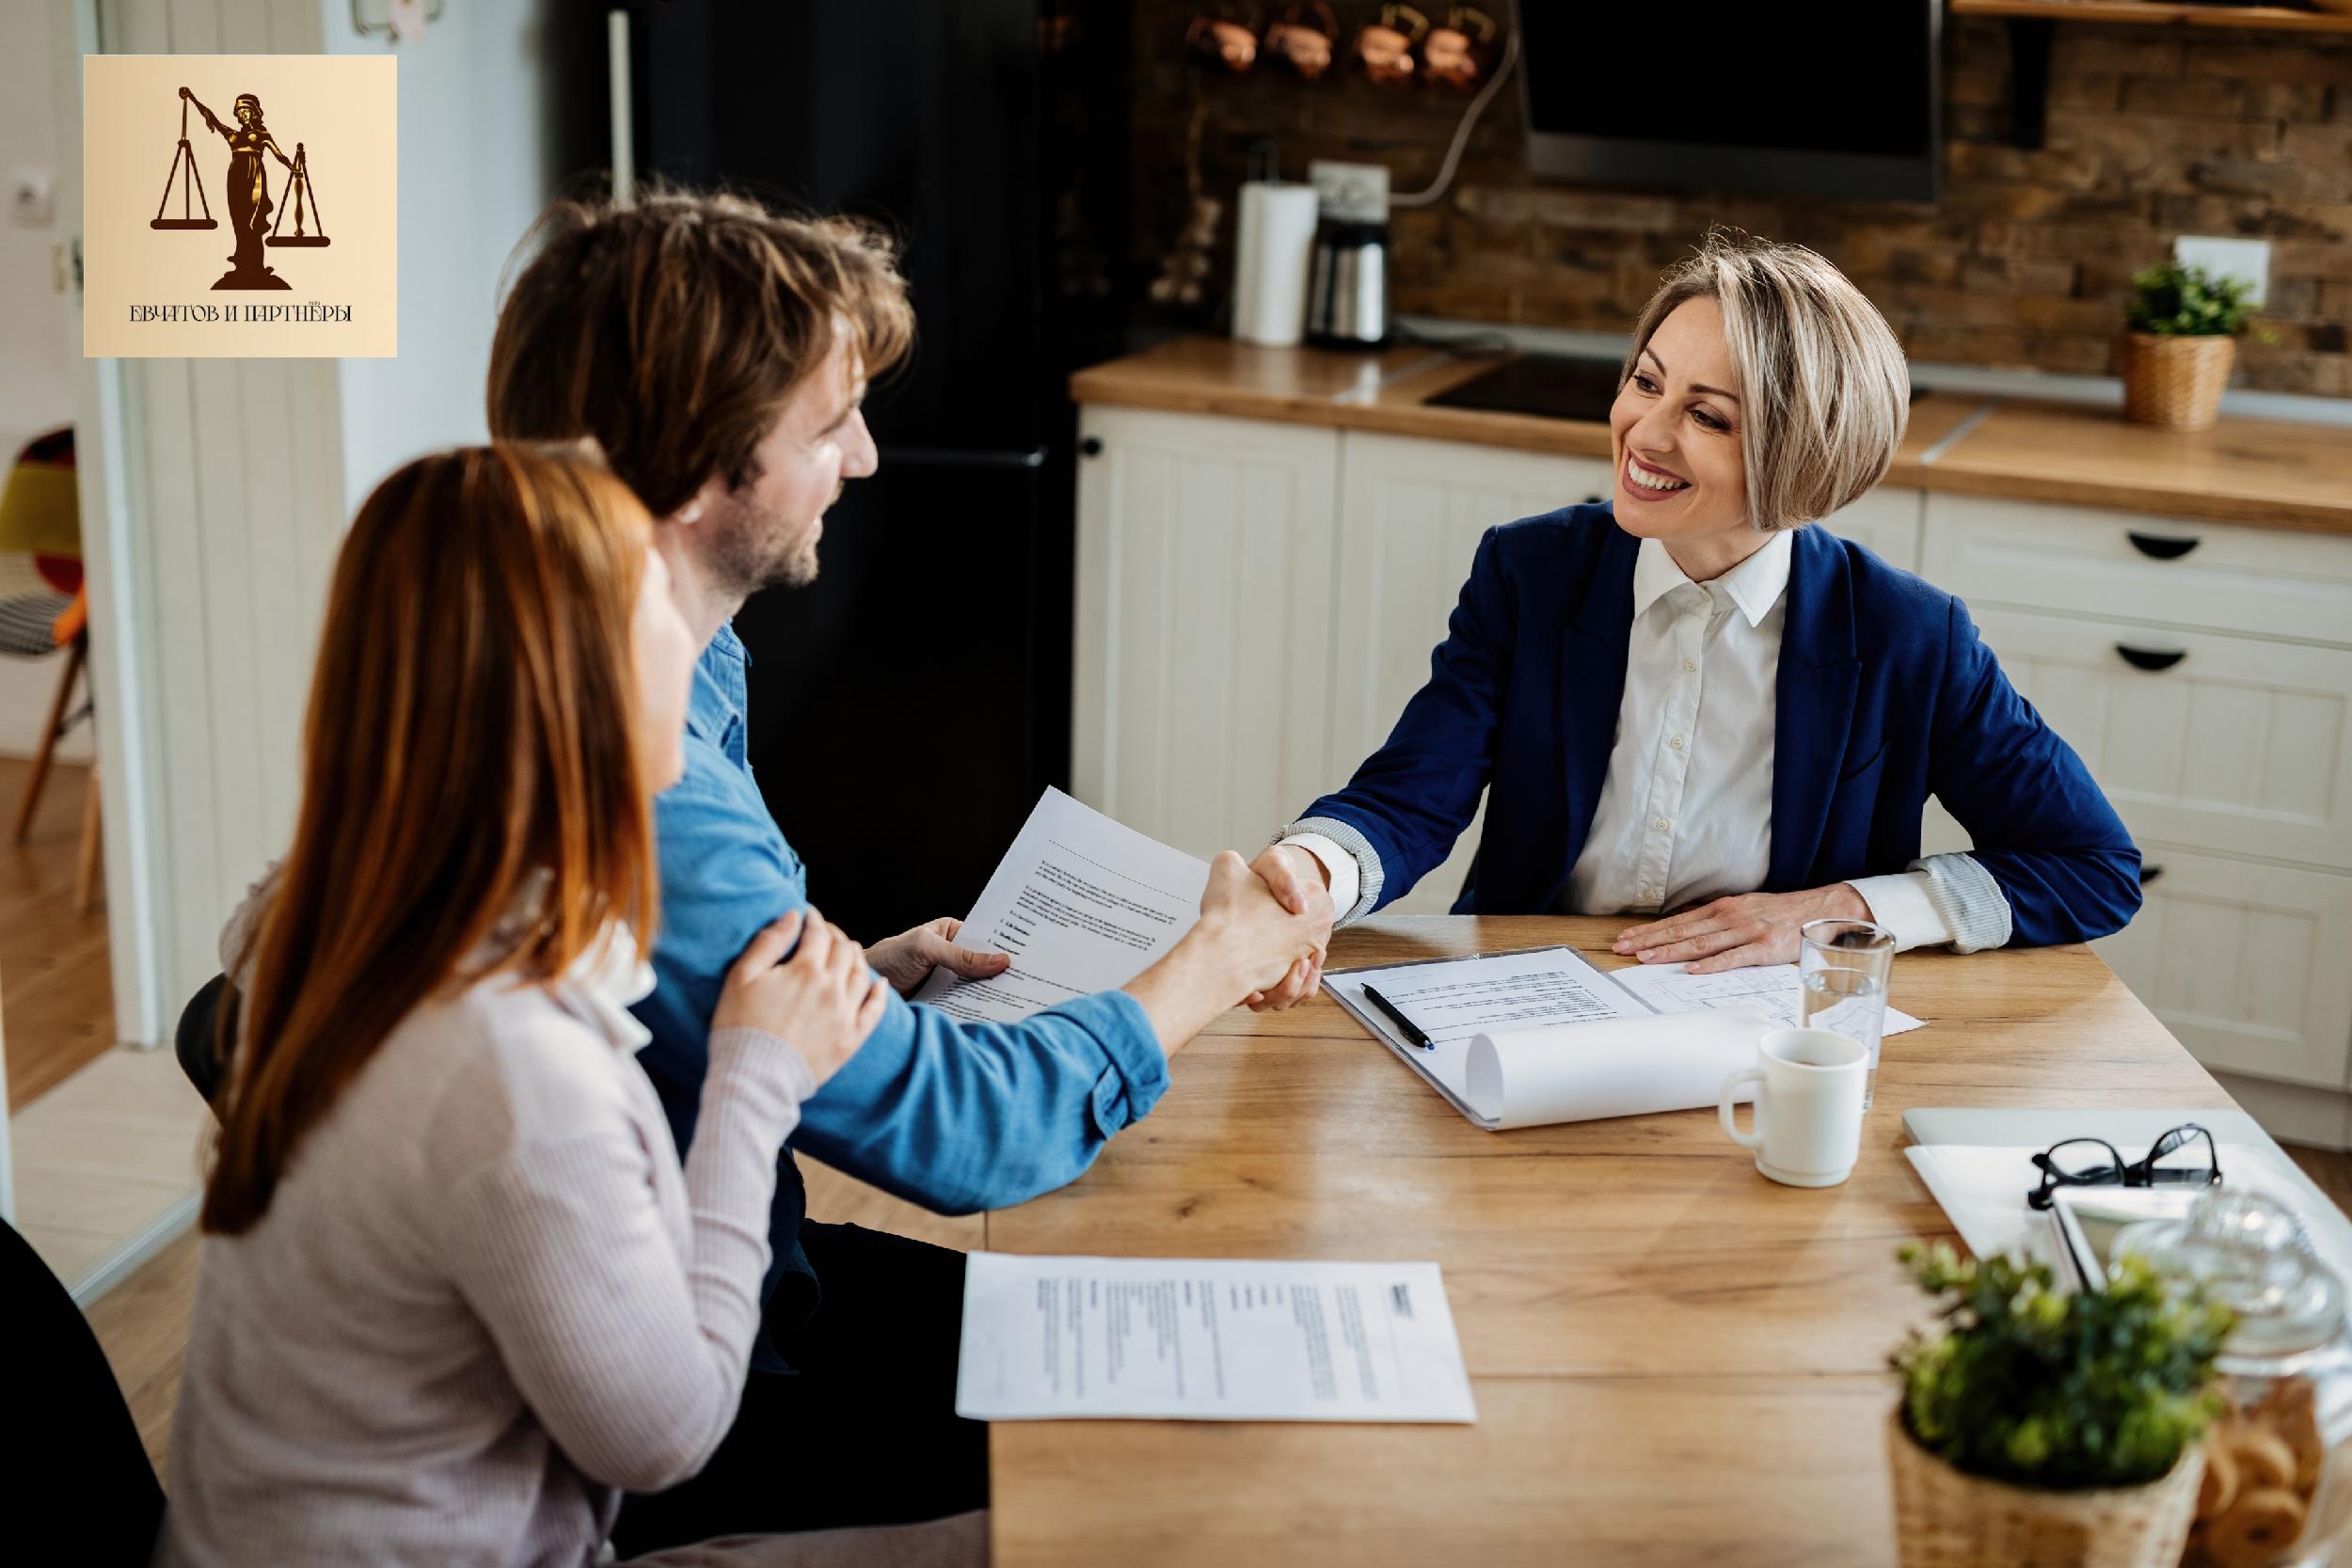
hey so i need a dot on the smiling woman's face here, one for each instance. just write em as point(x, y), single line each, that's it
point(1675, 433)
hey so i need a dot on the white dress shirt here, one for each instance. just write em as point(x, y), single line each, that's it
point(1685, 814)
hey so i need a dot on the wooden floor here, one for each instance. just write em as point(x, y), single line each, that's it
point(57, 997)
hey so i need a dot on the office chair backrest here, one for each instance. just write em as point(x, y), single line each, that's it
point(192, 1040)
point(79, 1470)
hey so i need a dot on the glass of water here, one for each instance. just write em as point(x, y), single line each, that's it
point(1842, 971)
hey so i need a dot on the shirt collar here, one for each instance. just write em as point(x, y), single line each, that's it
point(1754, 585)
point(717, 699)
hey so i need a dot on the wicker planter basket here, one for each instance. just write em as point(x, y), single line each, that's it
point(2176, 383)
point(1944, 1519)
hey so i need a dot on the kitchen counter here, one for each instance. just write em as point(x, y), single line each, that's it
point(2266, 472)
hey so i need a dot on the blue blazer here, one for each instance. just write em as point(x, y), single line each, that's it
point(1886, 696)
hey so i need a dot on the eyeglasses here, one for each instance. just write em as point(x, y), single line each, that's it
point(2094, 1163)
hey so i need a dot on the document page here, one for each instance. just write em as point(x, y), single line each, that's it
point(1207, 1339)
point(1771, 987)
point(1453, 999)
point(1083, 904)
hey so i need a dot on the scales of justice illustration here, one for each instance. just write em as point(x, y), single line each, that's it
point(248, 184)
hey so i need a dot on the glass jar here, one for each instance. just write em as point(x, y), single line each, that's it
point(2278, 1484)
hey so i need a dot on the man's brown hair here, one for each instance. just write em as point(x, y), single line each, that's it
point(673, 329)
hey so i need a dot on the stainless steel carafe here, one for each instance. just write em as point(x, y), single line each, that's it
point(1347, 284)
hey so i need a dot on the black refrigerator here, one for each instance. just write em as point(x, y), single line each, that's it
point(908, 708)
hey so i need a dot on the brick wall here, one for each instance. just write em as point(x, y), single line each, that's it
point(2024, 263)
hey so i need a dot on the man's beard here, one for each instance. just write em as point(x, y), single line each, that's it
point(746, 556)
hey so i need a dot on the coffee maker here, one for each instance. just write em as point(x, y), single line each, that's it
point(1347, 274)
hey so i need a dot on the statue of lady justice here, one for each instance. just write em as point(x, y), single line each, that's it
point(250, 204)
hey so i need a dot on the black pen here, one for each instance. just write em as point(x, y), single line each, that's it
point(1412, 1030)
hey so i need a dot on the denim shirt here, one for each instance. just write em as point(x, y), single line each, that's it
point(956, 1116)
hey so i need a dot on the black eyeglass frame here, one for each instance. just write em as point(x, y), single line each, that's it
point(2142, 1172)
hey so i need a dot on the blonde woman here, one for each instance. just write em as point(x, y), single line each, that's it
point(1688, 707)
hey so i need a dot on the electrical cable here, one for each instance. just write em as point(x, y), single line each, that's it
point(1461, 136)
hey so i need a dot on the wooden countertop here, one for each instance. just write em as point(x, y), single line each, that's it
point(2267, 472)
point(1675, 1360)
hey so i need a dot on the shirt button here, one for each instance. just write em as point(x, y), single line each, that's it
point(1675, 743)
point(1662, 824)
point(1689, 666)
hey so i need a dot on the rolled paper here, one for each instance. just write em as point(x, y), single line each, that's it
point(1625, 1067)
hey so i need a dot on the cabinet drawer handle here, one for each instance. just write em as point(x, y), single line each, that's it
point(1091, 445)
point(2161, 547)
point(2151, 658)
point(2149, 874)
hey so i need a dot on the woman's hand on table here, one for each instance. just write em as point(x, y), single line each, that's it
point(1742, 931)
point(1299, 884)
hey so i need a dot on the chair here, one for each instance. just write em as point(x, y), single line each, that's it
point(192, 1040)
point(88, 1495)
point(44, 606)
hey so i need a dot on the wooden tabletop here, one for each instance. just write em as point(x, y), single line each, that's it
point(2271, 473)
point(1674, 1359)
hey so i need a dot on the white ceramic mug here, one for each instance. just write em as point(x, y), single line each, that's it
point(1808, 1106)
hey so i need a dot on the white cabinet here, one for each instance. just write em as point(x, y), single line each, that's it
point(2164, 571)
point(2247, 963)
point(1884, 521)
point(1202, 690)
point(2226, 743)
point(2204, 673)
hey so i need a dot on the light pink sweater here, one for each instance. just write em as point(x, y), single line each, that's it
point(485, 1297)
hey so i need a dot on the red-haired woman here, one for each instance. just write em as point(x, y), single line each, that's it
point(458, 1291)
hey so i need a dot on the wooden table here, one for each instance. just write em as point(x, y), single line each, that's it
point(1674, 1359)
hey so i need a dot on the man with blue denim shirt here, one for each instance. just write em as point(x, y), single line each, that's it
point(717, 354)
point(957, 1116)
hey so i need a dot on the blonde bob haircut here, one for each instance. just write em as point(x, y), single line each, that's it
point(1825, 393)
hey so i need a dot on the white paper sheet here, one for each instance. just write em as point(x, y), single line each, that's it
point(1207, 1339)
point(1983, 1189)
point(1669, 988)
point(1083, 903)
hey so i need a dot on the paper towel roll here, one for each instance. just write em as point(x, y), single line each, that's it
point(1270, 256)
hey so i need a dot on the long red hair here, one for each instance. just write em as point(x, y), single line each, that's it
point(470, 728)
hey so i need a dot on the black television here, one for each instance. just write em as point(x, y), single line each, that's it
point(1837, 100)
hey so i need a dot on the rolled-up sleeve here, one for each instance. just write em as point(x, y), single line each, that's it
point(961, 1117)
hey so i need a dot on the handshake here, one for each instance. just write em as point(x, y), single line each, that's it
point(1293, 881)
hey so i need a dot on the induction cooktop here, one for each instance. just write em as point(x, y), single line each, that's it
point(1549, 386)
point(1552, 386)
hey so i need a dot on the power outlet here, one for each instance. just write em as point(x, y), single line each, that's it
point(1354, 193)
point(30, 205)
point(2228, 258)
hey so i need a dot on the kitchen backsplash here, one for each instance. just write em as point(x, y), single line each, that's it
point(2024, 262)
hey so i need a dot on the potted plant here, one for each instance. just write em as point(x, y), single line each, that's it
point(2184, 324)
point(2047, 1429)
